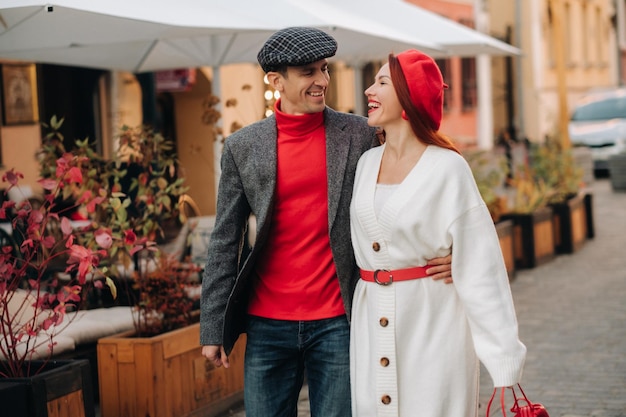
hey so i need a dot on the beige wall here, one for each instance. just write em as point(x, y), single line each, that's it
point(19, 147)
point(244, 84)
point(127, 101)
point(195, 142)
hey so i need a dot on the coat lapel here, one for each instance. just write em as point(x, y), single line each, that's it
point(265, 163)
point(338, 142)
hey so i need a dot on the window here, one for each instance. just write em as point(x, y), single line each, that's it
point(468, 77)
point(444, 67)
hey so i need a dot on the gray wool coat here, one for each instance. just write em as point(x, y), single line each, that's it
point(247, 186)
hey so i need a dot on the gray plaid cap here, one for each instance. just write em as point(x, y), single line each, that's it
point(295, 46)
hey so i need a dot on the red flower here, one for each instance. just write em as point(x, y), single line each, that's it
point(130, 237)
point(12, 177)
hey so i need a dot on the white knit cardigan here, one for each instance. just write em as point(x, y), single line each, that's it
point(425, 360)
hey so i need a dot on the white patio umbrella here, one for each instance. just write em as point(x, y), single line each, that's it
point(144, 35)
point(454, 38)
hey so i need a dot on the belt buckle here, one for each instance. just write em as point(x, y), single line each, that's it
point(383, 282)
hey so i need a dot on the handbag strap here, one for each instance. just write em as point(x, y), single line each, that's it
point(515, 397)
point(501, 401)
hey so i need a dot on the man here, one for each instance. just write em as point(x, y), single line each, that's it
point(292, 293)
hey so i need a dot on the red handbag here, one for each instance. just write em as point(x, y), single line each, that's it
point(519, 410)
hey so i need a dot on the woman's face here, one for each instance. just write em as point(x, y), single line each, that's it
point(383, 104)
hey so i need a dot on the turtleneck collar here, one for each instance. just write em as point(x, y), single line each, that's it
point(297, 125)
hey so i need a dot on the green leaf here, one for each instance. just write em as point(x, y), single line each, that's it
point(111, 284)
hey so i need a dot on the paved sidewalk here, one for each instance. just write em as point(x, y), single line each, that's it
point(572, 316)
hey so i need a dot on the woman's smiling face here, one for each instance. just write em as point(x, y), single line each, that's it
point(382, 100)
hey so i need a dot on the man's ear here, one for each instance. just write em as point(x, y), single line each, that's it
point(275, 80)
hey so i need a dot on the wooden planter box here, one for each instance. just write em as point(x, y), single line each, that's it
point(570, 224)
point(505, 229)
point(63, 389)
point(533, 237)
point(165, 376)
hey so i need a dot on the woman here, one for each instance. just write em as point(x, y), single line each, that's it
point(415, 343)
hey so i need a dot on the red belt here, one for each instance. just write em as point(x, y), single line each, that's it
point(386, 277)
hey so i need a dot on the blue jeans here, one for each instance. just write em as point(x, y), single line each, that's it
point(279, 352)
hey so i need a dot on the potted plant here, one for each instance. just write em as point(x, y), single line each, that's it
point(532, 218)
point(158, 369)
point(557, 168)
point(164, 372)
point(34, 305)
point(135, 198)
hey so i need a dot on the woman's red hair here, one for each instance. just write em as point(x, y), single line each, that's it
point(423, 132)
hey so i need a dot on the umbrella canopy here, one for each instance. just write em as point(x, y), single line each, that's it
point(141, 36)
point(454, 39)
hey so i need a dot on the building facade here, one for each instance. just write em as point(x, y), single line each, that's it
point(582, 32)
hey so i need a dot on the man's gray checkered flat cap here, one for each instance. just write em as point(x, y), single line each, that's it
point(295, 46)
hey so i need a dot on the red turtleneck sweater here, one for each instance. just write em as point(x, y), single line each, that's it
point(296, 274)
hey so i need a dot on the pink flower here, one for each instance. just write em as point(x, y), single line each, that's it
point(48, 184)
point(68, 294)
point(86, 259)
point(93, 203)
point(75, 175)
point(84, 197)
point(104, 238)
point(66, 226)
point(63, 164)
point(7, 207)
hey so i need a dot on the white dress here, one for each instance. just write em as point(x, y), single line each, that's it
point(415, 344)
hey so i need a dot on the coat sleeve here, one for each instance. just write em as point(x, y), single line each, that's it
point(224, 249)
point(482, 284)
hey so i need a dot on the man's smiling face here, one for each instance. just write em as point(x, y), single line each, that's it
point(302, 89)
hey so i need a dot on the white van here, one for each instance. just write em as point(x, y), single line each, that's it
point(599, 122)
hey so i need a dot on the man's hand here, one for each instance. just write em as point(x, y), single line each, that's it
point(216, 354)
point(441, 269)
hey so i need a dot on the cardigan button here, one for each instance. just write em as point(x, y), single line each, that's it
point(376, 246)
point(384, 362)
point(386, 399)
point(384, 321)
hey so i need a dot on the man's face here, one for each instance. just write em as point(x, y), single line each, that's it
point(302, 89)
